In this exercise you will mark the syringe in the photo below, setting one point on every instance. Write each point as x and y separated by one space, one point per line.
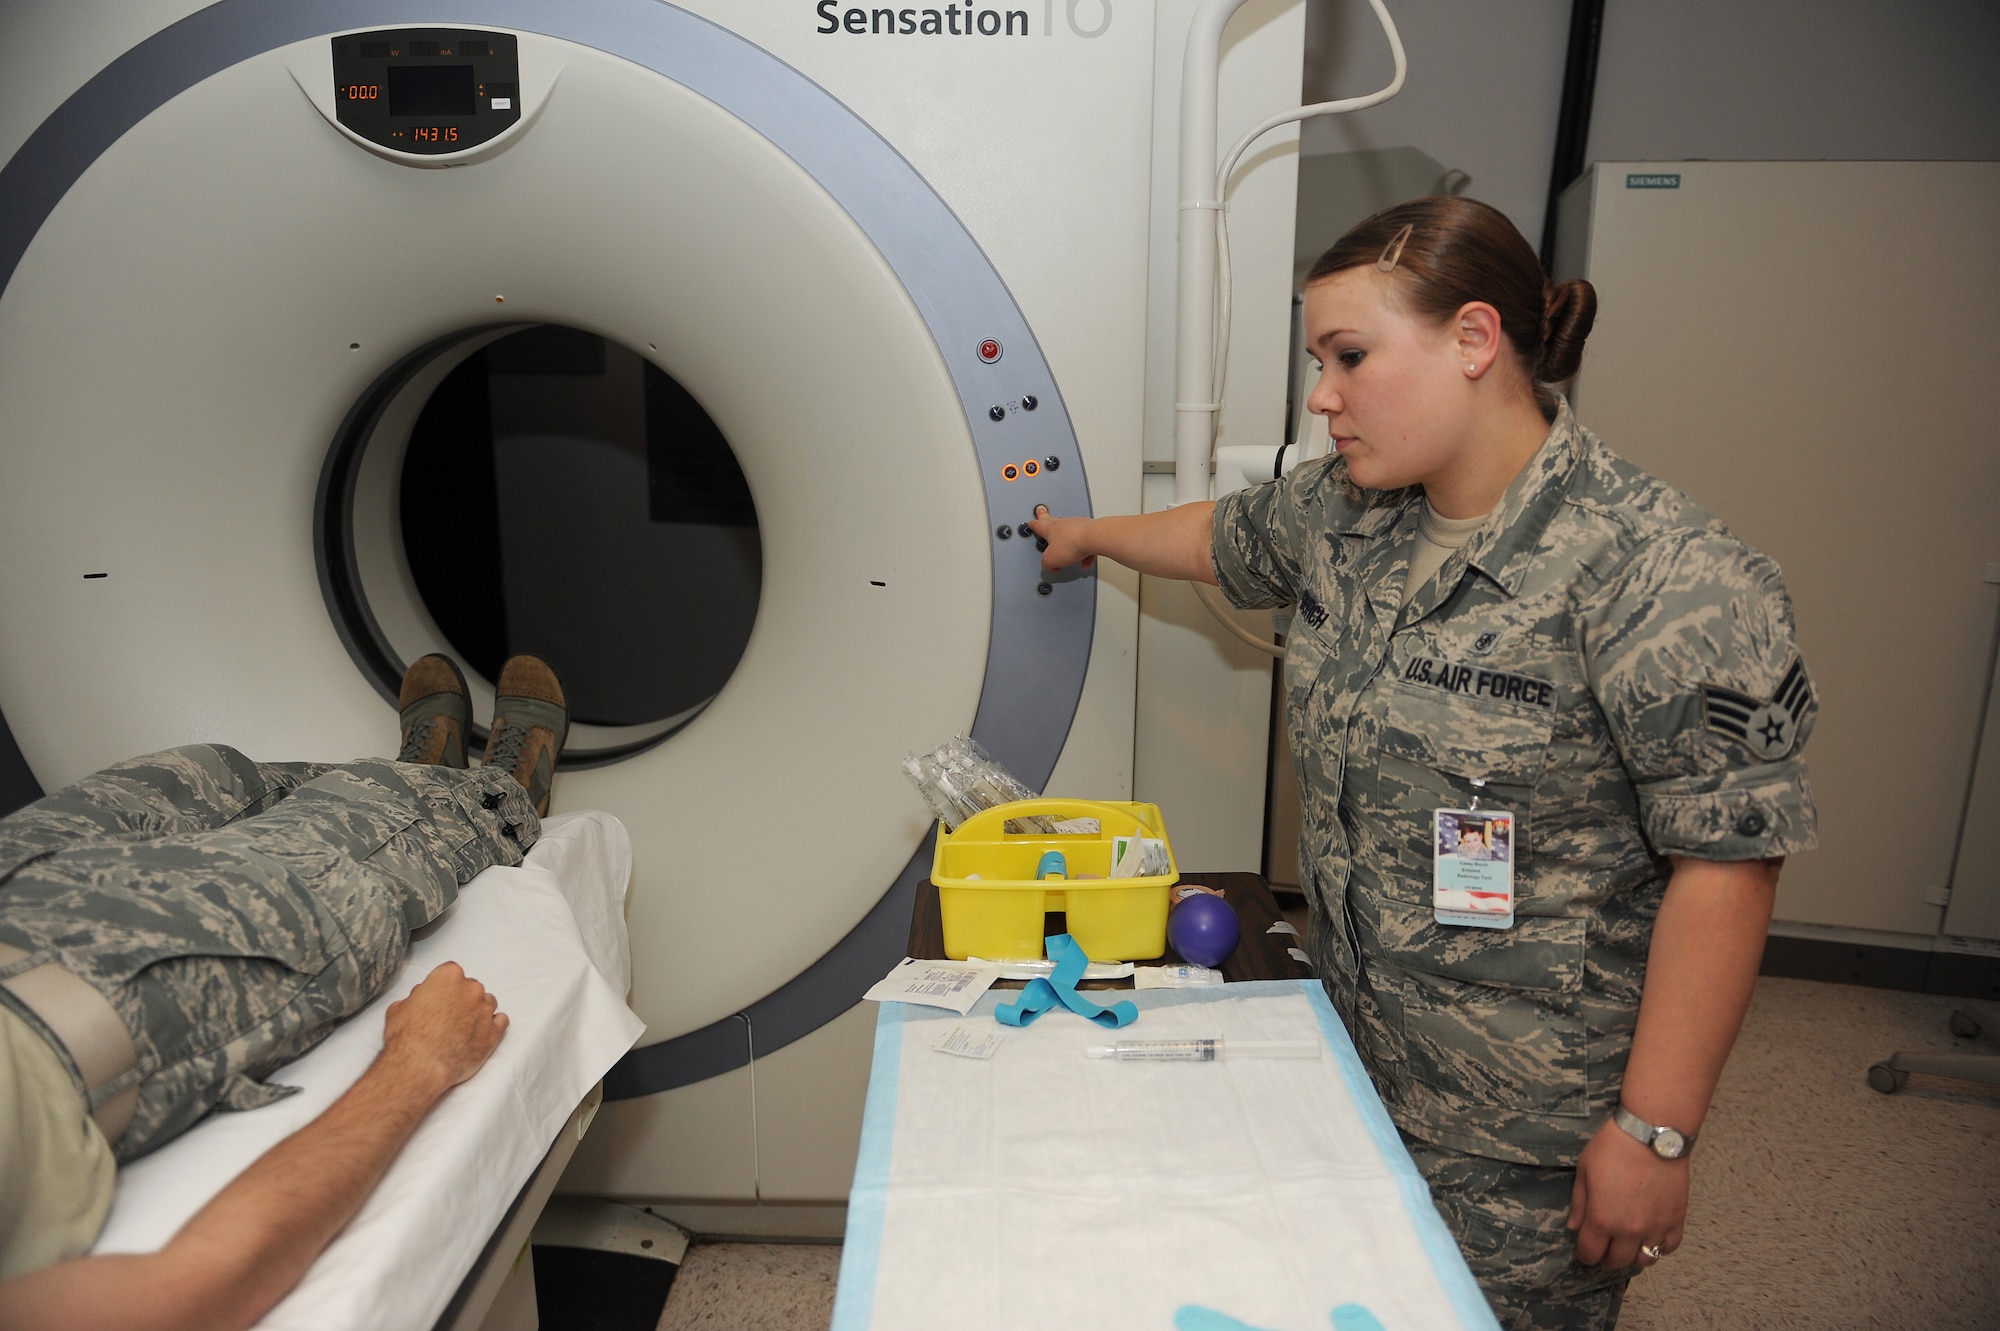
1201 1051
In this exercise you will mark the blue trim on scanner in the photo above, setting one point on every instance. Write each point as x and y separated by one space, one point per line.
1039 647
1446 1260
868 1201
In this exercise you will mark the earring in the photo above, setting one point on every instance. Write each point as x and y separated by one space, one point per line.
1472 369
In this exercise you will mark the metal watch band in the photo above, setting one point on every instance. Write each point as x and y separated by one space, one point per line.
1650 1136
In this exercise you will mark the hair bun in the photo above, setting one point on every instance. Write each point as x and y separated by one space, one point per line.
1569 310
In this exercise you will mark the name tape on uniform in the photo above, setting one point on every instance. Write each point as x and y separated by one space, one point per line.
1475 682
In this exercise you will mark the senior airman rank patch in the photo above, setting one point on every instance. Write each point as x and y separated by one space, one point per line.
1769 726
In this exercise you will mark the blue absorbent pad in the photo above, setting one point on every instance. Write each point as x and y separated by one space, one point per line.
1044 1188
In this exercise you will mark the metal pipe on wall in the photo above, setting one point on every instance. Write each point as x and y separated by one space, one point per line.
1202 335
1579 95
1195 409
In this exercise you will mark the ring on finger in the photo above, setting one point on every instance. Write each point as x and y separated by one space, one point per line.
1652 1252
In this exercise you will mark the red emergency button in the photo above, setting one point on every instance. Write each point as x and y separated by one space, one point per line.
989 350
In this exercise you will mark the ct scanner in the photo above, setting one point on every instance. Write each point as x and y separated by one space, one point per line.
229 283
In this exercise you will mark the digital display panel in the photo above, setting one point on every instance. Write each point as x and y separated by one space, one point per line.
432 90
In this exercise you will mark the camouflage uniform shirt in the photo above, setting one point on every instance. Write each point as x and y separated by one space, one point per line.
1616 667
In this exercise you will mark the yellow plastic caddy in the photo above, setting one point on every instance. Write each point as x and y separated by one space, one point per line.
993 905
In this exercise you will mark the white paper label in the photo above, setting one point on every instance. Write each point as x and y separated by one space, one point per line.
965 1042
1175 977
1150 861
954 985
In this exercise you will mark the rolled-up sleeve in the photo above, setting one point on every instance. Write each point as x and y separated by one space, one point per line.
1253 540
1694 661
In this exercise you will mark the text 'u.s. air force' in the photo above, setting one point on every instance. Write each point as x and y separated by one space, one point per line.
1477 683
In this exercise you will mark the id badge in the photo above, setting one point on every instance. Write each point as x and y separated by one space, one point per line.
1472 856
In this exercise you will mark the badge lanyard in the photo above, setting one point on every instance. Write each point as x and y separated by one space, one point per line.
1472 864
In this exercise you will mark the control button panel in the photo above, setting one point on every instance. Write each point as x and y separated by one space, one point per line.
1014 471
430 91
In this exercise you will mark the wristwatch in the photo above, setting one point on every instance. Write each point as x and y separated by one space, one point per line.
1667 1143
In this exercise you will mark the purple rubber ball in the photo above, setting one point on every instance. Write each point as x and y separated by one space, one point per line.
1203 929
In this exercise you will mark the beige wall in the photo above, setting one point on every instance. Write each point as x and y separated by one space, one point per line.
1805 347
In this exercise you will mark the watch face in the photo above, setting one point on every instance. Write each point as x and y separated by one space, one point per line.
1669 1144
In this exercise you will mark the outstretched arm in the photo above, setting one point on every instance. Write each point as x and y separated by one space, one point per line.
1700 972
1173 543
245 1250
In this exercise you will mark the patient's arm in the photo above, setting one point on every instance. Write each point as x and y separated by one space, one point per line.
242 1252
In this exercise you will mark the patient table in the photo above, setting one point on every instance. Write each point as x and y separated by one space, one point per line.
1041 1188
548 938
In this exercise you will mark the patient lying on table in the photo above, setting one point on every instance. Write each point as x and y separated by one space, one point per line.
177 926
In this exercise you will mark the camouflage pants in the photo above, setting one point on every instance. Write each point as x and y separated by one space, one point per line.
233 911
1511 1223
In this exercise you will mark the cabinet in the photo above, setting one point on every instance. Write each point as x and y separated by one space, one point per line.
1805 347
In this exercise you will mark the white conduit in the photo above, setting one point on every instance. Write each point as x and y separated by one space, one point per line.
1201 360
1212 598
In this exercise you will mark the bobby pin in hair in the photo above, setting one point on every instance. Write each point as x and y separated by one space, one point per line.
1392 253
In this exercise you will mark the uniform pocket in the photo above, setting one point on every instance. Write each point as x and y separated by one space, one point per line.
1433 746
205 895
1468 737
1494 1019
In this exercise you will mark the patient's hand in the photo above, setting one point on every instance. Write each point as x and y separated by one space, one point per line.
239 1254
445 1030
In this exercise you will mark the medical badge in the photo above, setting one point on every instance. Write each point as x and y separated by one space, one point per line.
1770 726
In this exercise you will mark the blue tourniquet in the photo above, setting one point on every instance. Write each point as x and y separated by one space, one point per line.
1060 987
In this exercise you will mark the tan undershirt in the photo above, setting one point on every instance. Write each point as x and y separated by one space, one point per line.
56 1170
1436 538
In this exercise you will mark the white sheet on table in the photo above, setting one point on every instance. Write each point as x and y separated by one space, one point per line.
549 939
1044 1189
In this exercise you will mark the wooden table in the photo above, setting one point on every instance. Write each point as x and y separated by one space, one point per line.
1261 955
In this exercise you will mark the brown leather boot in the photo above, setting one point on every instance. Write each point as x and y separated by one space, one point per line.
436 713
530 723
